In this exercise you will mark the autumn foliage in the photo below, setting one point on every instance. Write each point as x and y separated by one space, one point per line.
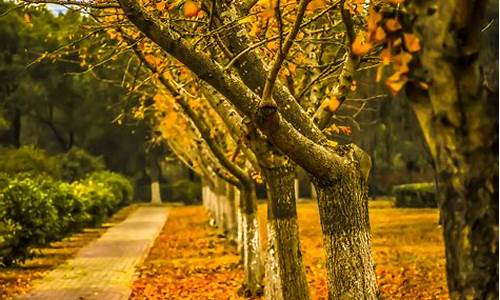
191 261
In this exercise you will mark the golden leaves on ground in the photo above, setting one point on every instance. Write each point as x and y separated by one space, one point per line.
189 261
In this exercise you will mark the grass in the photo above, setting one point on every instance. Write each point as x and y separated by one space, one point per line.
191 261
17 279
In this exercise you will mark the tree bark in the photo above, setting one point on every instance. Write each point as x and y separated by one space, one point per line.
220 198
252 261
285 272
459 117
343 208
231 225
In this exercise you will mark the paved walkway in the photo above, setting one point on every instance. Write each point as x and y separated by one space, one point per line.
104 269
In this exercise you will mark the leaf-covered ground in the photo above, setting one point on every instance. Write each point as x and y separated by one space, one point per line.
190 261
18 279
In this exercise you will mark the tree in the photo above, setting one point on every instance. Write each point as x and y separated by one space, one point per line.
458 114
443 56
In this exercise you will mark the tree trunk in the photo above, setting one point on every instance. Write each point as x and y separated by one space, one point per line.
16 128
252 261
220 198
296 186
343 208
285 272
459 117
314 196
204 193
212 204
239 215
231 225
155 180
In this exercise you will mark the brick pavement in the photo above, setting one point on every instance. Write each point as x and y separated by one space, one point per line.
104 269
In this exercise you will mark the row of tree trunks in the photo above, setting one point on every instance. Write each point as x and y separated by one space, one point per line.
234 211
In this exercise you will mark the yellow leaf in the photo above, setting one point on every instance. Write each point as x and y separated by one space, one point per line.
373 19
268 13
27 18
244 20
379 34
255 30
392 25
401 62
394 2
386 56
316 4
190 8
333 104
161 5
292 68
355 6
273 46
396 82
412 43
360 46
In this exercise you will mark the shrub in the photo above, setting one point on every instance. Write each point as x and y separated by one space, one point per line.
186 191
71 210
415 195
28 159
122 187
27 218
97 197
77 163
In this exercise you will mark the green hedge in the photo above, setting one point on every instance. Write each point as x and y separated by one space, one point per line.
35 210
415 195
121 187
28 217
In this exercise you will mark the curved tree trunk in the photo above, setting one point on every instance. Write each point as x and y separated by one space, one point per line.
285 272
252 260
343 208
